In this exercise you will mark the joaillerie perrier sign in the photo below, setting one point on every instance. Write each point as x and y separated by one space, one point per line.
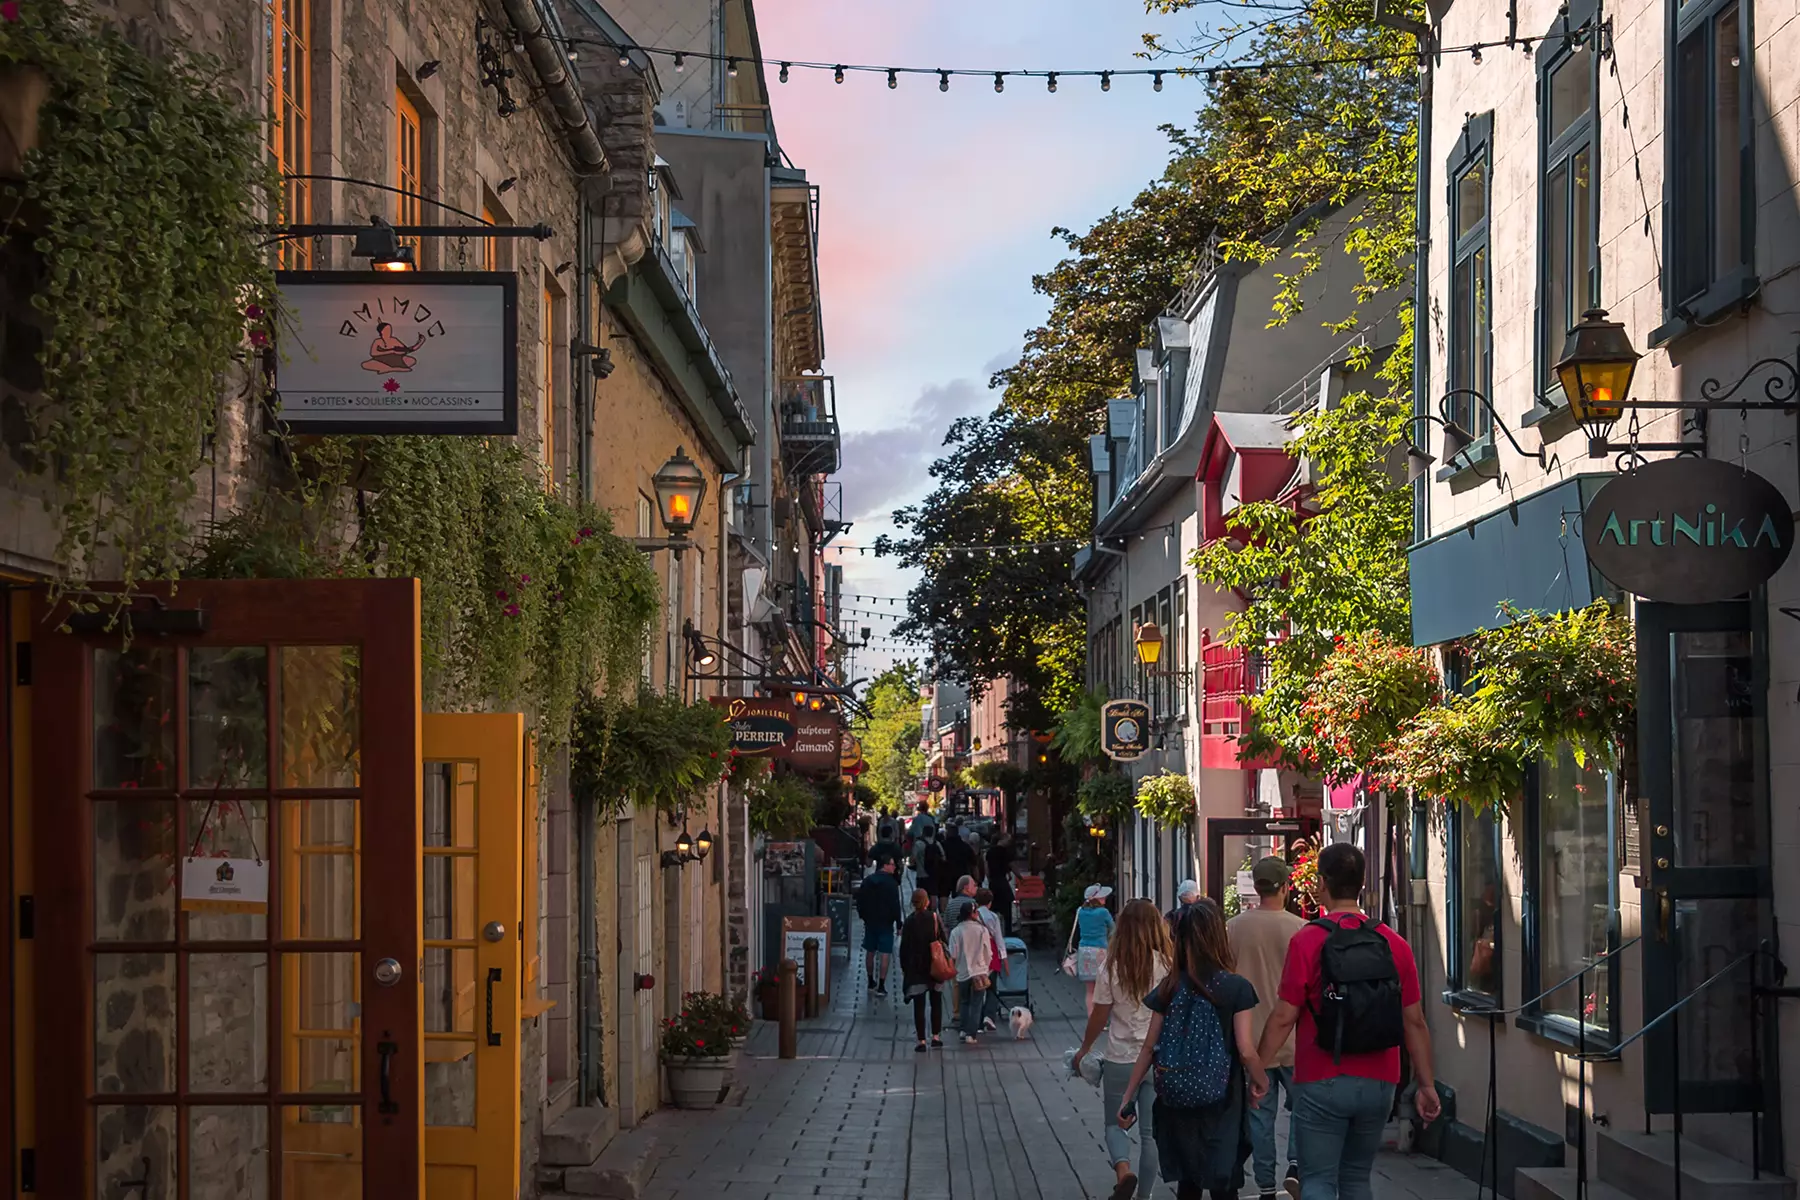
1688 530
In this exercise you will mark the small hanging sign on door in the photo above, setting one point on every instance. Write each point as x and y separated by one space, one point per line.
236 885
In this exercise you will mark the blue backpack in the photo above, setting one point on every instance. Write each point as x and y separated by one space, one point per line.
1193 1060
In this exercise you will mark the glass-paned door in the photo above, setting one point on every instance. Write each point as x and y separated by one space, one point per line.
1702 735
235 1007
1233 846
474 791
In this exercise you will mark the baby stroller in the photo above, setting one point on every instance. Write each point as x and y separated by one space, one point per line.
1013 984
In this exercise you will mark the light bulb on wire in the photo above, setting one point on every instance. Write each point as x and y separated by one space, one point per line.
999 81
1051 81
784 73
943 81
624 57
731 67
837 75
1156 80
1475 55
893 78
680 63
1106 81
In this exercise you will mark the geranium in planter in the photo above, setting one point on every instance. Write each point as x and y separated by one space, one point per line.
698 1051
1356 705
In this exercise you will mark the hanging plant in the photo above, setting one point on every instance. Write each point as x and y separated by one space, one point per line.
651 752
1077 735
1460 751
1367 689
1563 677
1167 799
135 227
527 598
1106 795
781 806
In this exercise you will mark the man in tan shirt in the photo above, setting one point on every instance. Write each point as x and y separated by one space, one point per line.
1259 939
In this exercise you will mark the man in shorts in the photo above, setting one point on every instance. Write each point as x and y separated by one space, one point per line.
878 904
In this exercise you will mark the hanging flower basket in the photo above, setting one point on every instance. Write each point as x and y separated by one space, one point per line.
1167 799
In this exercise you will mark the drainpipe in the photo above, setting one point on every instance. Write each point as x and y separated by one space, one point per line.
552 67
1422 201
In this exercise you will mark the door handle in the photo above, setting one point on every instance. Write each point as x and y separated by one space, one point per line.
1662 917
387 1051
493 977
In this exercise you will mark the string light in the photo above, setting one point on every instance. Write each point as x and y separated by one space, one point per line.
893 79
837 76
999 81
943 81
731 67
784 73
680 62
1106 81
624 57
1475 55
1050 82
1156 80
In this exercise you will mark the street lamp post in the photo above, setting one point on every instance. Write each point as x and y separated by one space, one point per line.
1149 644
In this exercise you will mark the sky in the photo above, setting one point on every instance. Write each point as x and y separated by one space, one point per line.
936 210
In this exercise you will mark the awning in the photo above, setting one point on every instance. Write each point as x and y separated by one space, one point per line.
1529 554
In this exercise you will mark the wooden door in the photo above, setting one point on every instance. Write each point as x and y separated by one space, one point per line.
274 1048
474 789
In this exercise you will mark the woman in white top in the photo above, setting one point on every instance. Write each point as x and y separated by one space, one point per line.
1136 962
972 949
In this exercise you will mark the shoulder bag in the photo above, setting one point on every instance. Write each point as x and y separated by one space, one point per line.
1071 964
942 969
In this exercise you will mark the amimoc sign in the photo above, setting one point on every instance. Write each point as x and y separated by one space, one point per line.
1688 530
403 352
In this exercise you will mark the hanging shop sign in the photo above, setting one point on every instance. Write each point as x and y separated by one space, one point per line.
850 754
1688 530
431 352
816 737
759 728
234 885
1125 729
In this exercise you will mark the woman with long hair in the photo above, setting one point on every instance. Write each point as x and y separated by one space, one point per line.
1201 1147
917 934
1136 962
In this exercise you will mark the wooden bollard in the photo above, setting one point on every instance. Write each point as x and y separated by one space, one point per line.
786 1038
812 978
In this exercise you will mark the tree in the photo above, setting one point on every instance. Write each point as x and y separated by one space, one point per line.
890 735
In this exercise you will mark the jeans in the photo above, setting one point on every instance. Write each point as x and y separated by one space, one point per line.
969 1005
1113 1078
1262 1129
1339 1121
936 995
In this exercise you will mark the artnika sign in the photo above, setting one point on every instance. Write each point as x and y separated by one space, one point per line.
402 352
1688 530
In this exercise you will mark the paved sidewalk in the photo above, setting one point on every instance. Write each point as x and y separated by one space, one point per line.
859 1114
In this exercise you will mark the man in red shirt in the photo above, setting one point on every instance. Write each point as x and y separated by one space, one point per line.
1342 1097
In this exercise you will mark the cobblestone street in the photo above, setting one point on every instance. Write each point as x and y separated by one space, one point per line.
860 1114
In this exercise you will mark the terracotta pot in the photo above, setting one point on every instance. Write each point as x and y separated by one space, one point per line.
23 89
698 1082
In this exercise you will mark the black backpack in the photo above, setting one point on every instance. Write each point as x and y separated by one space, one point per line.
933 858
1359 1000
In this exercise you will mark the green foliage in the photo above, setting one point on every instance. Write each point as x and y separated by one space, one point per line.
1355 707
781 806
1168 799
1539 682
1002 775
141 203
653 751
1089 860
527 598
707 1026
890 736
1105 794
1077 732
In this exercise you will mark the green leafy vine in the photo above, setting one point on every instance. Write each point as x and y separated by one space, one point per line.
140 206
653 752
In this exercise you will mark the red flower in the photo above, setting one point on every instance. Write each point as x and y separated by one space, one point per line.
500 594
511 610
699 1042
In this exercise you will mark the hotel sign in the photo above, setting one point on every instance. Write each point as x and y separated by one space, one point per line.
1688 530
1125 729
406 352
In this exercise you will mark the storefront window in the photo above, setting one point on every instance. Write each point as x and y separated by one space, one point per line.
1476 894
1573 891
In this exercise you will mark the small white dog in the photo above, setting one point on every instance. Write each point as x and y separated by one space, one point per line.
1021 1022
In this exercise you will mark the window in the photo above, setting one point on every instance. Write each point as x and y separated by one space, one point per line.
1181 649
1171 404
1709 190
490 247
550 318
1475 894
1568 248
409 165
287 26
1471 312
1165 681
1571 895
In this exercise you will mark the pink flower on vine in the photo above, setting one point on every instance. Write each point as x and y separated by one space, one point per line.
9 11
586 532
523 579
258 338
254 312
511 610
500 594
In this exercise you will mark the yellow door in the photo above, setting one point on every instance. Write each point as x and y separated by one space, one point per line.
474 792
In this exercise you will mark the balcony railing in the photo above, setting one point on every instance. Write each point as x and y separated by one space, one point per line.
809 428
1229 677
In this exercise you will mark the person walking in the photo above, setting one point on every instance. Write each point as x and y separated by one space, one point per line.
990 999
1260 938
957 910
922 930
1093 929
960 856
972 949
878 904
1000 880
1186 893
886 847
936 863
1136 962
1350 993
1200 1042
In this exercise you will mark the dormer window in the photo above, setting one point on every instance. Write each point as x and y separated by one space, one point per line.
684 251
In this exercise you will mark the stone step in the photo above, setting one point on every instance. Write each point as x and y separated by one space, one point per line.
577 1137
1643 1164
1558 1183
620 1172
